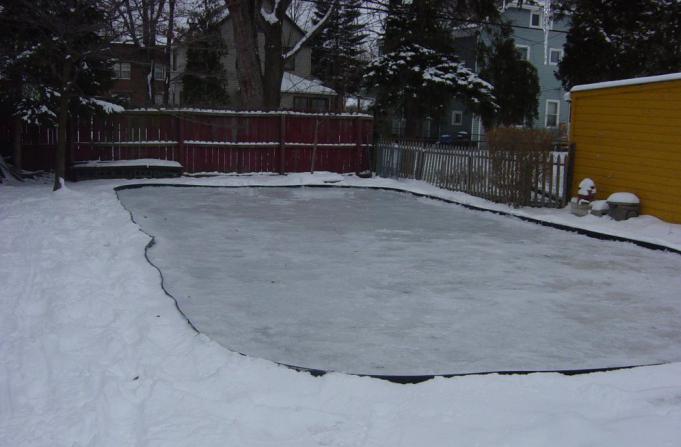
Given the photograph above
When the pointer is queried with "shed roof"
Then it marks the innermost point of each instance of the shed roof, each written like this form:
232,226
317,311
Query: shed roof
292,83
625,82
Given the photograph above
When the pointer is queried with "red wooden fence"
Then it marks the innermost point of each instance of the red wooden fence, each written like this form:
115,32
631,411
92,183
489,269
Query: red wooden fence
213,141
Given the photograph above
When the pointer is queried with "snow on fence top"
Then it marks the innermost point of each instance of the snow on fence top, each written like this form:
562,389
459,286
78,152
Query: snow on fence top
625,82
171,111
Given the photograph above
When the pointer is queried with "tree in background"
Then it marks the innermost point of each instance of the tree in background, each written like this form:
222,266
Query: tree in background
204,81
260,75
64,62
337,48
611,40
419,71
516,83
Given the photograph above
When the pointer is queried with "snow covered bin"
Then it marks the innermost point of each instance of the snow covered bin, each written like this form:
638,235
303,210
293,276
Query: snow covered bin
599,208
623,205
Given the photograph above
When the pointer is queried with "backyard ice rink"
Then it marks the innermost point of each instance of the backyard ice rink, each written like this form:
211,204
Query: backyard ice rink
383,282
95,354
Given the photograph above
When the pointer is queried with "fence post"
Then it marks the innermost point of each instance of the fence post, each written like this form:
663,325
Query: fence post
569,175
314,145
469,174
282,144
179,136
358,143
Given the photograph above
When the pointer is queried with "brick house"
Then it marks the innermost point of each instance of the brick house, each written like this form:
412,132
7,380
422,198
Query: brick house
131,71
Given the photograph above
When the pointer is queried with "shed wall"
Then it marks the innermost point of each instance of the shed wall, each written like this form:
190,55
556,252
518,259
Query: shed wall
629,139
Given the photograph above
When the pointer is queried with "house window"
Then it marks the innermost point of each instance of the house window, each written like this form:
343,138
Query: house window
319,104
555,55
535,20
159,72
552,113
299,103
121,70
124,98
290,63
524,51
397,126
457,118
158,99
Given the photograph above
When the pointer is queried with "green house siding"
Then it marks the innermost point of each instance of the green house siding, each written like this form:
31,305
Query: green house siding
532,39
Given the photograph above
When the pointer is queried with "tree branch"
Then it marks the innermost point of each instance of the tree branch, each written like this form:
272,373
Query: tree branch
310,33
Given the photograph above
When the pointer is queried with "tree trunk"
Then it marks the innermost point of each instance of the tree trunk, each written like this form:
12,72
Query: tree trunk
169,49
248,61
16,143
60,160
150,76
63,121
274,66
413,119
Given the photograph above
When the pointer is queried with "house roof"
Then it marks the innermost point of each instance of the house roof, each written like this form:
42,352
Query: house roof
292,83
625,82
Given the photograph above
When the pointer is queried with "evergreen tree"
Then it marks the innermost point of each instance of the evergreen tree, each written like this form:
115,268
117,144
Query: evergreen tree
62,62
516,83
337,48
204,82
419,71
620,39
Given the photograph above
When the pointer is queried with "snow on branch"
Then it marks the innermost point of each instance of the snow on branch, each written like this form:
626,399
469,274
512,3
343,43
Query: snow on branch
104,106
310,33
270,17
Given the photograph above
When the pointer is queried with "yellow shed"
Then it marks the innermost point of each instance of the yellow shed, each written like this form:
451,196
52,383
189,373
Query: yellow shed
627,137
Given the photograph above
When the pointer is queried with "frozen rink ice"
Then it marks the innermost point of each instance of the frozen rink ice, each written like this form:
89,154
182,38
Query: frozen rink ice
382,282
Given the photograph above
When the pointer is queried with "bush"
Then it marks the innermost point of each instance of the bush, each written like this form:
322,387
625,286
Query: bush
519,156
516,139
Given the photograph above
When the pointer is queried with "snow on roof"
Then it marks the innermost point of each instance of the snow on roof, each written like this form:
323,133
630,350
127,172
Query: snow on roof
292,83
624,82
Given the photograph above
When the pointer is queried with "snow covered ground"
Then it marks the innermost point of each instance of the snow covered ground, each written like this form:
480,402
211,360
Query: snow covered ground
383,282
95,354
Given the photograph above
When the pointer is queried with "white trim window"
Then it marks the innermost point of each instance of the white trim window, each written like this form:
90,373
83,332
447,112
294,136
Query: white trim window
552,113
535,19
555,55
457,118
121,70
524,51
159,72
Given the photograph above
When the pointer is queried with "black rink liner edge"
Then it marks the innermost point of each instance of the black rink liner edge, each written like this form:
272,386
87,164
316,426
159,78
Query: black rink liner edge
401,379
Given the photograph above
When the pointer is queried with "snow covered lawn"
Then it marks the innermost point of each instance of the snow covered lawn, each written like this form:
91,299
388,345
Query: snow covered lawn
383,282
95,354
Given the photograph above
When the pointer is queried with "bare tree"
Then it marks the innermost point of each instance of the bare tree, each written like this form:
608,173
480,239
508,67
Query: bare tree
139,23
262,89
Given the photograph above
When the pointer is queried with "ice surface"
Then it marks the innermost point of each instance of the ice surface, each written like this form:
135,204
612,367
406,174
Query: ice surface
381,282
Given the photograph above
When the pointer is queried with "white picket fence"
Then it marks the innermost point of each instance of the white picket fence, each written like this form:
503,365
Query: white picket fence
529,178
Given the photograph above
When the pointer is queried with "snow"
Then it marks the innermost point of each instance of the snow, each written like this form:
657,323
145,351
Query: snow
270,17
587,188
625,82
95,354
292,83
146,162
600,205
382,282
623,197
